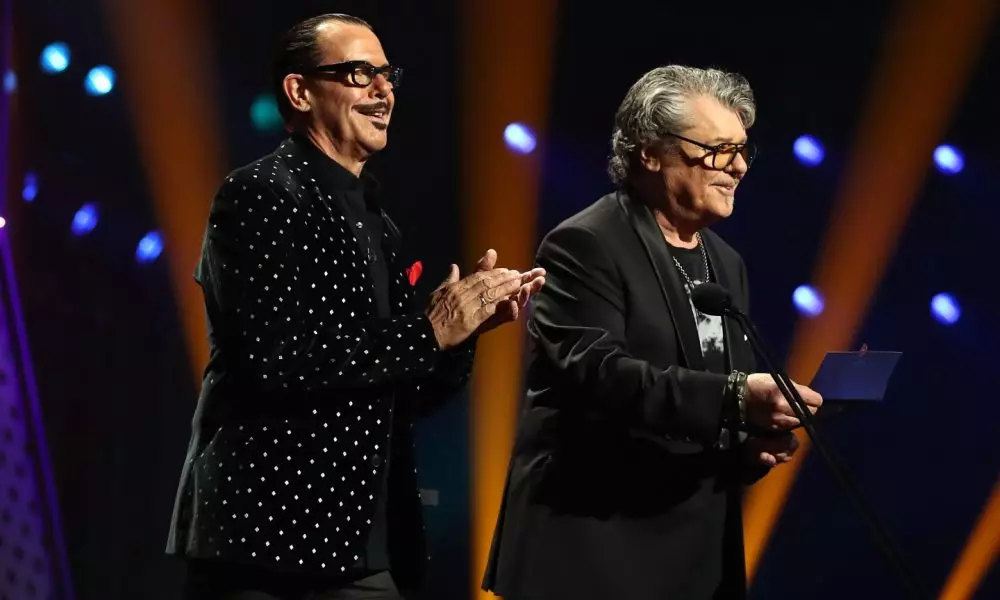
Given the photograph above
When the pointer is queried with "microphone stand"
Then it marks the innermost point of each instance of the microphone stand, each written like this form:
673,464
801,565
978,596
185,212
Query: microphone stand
881,535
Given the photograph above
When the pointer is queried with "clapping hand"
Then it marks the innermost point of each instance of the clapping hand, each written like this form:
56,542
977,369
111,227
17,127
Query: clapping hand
475,304
509,308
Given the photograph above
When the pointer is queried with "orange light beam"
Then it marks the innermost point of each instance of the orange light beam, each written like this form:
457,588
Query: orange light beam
508,50
979,553
165,70
925,64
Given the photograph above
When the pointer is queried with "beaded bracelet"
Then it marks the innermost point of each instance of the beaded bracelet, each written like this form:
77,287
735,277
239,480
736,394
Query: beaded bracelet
735,400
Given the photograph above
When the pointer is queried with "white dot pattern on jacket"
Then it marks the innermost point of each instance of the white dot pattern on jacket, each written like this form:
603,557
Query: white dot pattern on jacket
295,316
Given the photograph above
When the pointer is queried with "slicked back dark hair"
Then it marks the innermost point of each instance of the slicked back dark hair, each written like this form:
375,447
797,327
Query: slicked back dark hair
298,51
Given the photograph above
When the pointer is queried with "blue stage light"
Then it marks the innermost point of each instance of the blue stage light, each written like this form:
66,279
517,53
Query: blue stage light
149,248
9,82
84,220
55,57
948,159
519,138
30,190
807,300
945,309
808,150
100,80
265,115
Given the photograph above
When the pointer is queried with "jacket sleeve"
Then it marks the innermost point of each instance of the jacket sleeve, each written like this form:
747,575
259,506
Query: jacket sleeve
249,273
579,327
452,373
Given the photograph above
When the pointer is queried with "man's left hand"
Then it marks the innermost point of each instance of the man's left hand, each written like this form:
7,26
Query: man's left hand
509,308
772,450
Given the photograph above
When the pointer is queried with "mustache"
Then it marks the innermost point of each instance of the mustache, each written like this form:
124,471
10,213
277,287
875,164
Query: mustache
374,106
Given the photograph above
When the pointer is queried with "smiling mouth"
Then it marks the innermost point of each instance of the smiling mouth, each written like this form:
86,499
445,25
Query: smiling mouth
379,113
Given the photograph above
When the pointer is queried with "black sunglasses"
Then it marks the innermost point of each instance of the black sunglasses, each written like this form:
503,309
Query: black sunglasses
723,155
362,73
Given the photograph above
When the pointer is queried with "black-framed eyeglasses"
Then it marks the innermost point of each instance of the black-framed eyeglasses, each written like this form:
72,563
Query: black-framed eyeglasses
723,155
362,73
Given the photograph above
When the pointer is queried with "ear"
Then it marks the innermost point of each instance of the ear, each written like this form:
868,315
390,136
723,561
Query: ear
297,93
649,157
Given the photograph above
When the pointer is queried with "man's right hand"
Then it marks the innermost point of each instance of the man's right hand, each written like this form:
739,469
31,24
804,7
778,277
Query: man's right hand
767,407
459,306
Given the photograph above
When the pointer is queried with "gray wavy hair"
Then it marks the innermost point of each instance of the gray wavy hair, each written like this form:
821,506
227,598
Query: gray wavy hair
657,103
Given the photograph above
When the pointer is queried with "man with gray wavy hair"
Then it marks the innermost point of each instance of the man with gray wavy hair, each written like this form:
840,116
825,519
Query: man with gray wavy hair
644,418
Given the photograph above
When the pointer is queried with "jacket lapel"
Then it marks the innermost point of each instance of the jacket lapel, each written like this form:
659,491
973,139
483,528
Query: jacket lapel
641,219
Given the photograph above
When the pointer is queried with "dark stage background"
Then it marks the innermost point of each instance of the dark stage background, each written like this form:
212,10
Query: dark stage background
113,368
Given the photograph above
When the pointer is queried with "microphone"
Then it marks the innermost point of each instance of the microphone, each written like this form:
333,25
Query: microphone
713,299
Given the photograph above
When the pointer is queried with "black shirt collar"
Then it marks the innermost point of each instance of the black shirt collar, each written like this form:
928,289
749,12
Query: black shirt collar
331,175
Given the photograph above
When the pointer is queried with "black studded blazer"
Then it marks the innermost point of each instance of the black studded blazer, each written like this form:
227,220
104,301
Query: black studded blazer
305,385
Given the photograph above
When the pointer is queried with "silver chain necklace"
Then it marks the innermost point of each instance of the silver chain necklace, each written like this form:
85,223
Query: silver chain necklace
704,257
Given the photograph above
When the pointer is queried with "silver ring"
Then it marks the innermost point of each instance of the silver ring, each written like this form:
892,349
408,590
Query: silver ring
482,300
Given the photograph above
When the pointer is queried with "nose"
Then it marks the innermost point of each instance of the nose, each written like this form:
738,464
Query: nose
381,85
738,168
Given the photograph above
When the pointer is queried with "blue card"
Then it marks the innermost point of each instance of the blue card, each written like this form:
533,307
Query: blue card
851,377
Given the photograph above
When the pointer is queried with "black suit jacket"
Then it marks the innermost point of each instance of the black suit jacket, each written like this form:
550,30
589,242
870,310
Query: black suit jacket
305,385
621,484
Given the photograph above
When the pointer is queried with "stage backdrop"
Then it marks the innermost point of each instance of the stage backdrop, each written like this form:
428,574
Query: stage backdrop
110,320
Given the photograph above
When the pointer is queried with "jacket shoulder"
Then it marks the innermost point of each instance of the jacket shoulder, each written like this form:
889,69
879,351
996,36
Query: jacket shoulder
603,216
269,171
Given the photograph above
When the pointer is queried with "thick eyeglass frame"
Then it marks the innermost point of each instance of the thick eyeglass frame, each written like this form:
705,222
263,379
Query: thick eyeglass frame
748,151
362,73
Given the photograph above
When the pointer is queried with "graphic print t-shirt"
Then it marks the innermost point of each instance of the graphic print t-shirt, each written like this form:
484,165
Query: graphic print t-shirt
710,329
